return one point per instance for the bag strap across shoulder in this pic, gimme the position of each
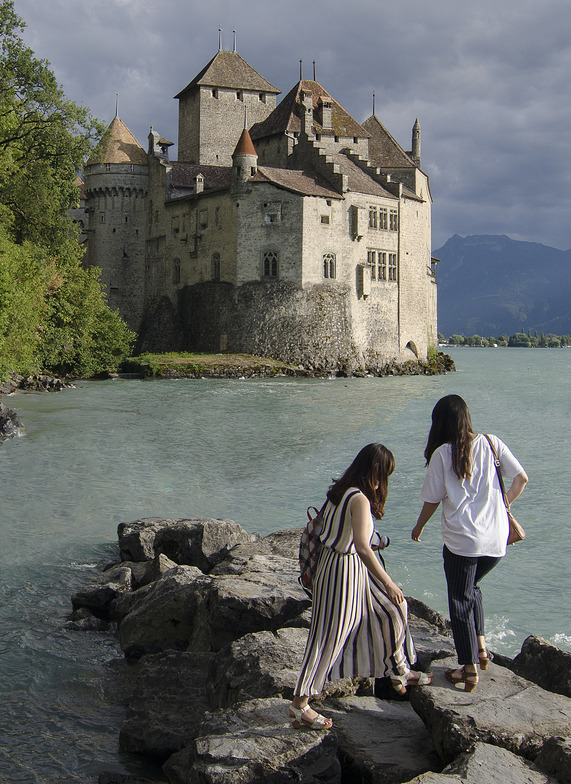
(498, 470)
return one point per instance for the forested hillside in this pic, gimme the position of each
(53, 314)
(491, 285)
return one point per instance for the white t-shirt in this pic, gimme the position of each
(474, 518)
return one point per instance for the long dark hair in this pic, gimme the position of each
(372, 466)
(452, 424)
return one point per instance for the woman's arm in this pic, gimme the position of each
(361, 524)
(426, 513)
(516, 487)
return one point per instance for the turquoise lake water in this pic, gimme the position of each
(258, 452)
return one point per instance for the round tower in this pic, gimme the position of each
(116, 184)
(244, 160)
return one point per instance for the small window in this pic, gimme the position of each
(325, 219)
(126, 219)
(373, 217)
(215, 266)
(262, 97)
(214, 92)
(107, 167)
(382, 258)
(272, 212)
(329, 270)
(101, 217)
(176, 272)
(383, 218)
(240, 95)
(393, 220)
(270, 264)
(392, 266)
(355, 140)
(203, 219)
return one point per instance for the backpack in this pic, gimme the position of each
(310, 548)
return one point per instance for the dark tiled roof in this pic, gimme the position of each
(384, 150)
(306, 183)
(359, 181)
(118, 145)
(215, 177)
(286, 116)
(228, 69)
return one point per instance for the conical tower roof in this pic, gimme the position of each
(118, 145)
(244, 146)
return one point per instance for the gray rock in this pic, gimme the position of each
(254, 744)
(380, 742)
(545, 664)
(99, 597)
(82, 620)
(504, 710)
(555, 759)
(10, 423)
(282, 543)
(431, 642)
(487, 765)
(168, 705)
(199, 542)
(161, 615)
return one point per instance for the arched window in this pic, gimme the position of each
(176, 271)
(215, 266)
(270, 264)
(329, 265)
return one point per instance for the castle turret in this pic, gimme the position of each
(116, 184)
(416, 143)
(244, 160)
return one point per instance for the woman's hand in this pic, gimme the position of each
(426, 513)
(416, 532)
(394, 593)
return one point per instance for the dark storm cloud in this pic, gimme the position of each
(488, 81)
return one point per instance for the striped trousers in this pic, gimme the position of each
(465, 601)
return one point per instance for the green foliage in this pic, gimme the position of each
(519, 340)
(53, 313)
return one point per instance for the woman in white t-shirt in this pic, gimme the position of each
(462, 475)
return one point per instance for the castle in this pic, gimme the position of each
(287, 230)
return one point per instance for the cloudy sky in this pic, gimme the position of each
(490, 82)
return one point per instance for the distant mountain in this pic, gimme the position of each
(491, 285)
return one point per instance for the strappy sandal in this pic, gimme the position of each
(469, 679)
(412, 678)
(297, 719)
(484, 658)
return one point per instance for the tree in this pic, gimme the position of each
(44, 140)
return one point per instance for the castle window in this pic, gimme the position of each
(107, 167)
(383, 218)
(382, 266)
(176, 272)
(272, 212)
(355, 140)
(240, 95)
(372, 262)
(262, 97)
(393, 220)
(203, 219)
(392, 266)
(215, 266)
(126, 219)
(329, 270)
(270, 264)
(373, 217)
(214, 92)
(325, 219)
(101, 217)
(336, 138)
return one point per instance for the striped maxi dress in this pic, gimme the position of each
(355, 628)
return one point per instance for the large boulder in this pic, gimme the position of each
(161, 616)
(201, 542)
(168, 704)
(98, 598)
(504, 710)
(380, 742)
(254, 744)
(486, 765)
(545, 664)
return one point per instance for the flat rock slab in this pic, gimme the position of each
(380, 742)
(168, 705)
(487, 765)
(255, 744)
(504, 710)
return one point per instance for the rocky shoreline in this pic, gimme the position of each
(213, 622)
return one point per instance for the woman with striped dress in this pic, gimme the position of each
(359, 616)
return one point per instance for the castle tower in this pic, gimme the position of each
(116, 183)
(244, 161)
(416, 143)
(211, 108)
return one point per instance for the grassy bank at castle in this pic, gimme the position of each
(174, 365)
